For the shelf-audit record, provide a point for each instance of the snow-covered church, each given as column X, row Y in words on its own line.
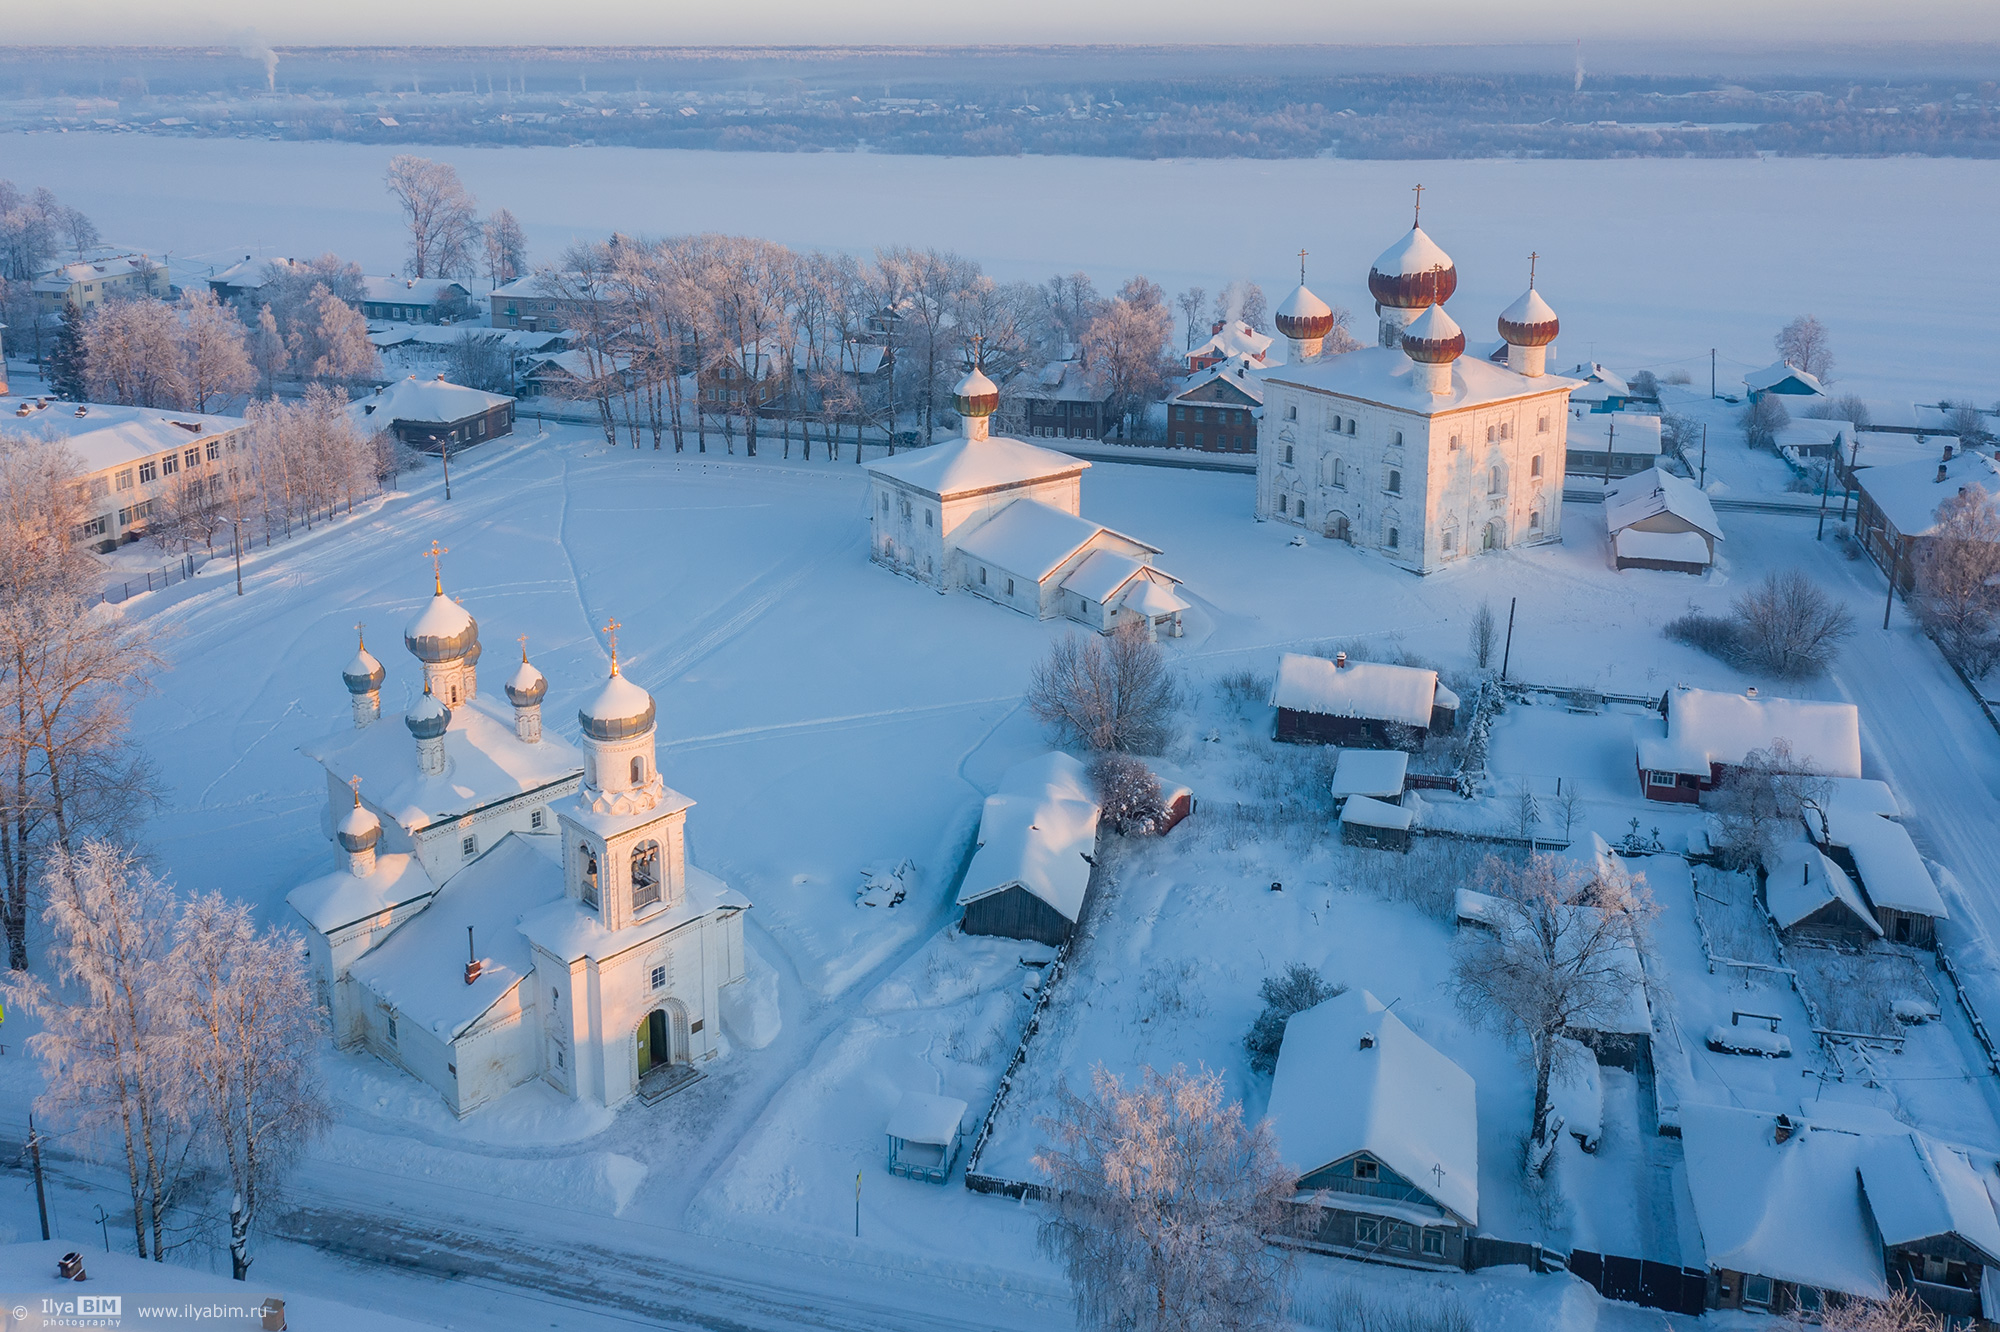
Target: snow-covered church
column 1001, row 518
column 509, row 906
column 1409, row 448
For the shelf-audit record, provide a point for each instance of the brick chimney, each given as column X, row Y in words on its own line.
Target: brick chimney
column 1339, row 661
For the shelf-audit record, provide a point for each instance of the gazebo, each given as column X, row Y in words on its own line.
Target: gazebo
column 924, row 1135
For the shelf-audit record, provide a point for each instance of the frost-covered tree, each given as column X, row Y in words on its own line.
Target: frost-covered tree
column 1790, row 625
column 1958, row 577
column 267, row 349
column 1159, row 1202
column 1242, row 300
column 1125, row 348
column 214, row 350
column 1805, row 345
column 1762, row 420
column 1292, row 991
column 1109, row 692
column 1484, row 634
column 1191, row 303
column 506, row 247
column 250, row 1014
column 1554, row 961
column 1128, row 794
column 1901, row 1312
column 440, row 212
column 330, row 342
column 1759, row 802
column 132, row 354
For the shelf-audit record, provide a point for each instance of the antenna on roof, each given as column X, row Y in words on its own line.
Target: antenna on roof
column 1419, row 217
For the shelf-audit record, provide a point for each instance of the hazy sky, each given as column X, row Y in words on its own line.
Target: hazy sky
column 788, row 22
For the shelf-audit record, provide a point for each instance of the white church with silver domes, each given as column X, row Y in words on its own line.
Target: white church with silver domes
column 510, row 906
column 1409, row 448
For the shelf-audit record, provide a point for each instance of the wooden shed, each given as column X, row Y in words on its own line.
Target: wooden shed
column 1358, row 704
column 1365, row 821
column 1031, row 871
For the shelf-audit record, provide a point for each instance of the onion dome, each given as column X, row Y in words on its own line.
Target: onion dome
column 1413, row 273
column 620, row 711
column 444, row 631
column 1529, row 322
column 976, row 395
column 472, row 653
column 1433, row 337
column 428, row 717
column 1304, row 317
column 360, row 830
column 363, row 674
column 527, row 686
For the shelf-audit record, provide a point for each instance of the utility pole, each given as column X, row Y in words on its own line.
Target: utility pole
column 1826, row 478
column 1711, row 374
column 857, row 1204
column 1610, row 438
column 1895, row 562
column 35, row 1155
column 1507, row 653
column 236, row 548
column 1703, row 483
column 444, row 451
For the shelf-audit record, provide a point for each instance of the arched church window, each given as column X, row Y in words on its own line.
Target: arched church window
column 1288, row 453
column 589, row 875
column 638, row 770
column 645, row 874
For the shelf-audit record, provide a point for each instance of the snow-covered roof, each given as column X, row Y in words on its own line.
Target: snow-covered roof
column 1232, row 373
column 1813, row 433
column 1351, row 1077
column 1621, row 432
column 1803, row 879
column 249, row 275
column 1153, row 595
column 1861, row 795
column 530, row 285
column 570, row 931
column 484, row 762
column 1365, row 689
column 1708, row 727
column 65, row 276
column 1058, row 381
column 1908, row 493
column 1675, row 547
column 1036, row 842
column 1777, row 373
column 1103, row 572
column 1370, row 772
column 1383, row 375
column 971, row 466
column 1529, row 310
column 424, row 402
column 408, row 291
column 862, row 358
column 339, row 899
column 1598, row 383
column 1034, row 539
column 579, row 364
column 1372, row 813
column 1302, row 304
column 1413, row 253
column 1054, row 773
column 1787, row 1210
column 1918, row 1188
column 1655, row 491
column 419, row 970
column 923, row 1118
column 1234, row 338
column 107, row 436
column 1892, row 872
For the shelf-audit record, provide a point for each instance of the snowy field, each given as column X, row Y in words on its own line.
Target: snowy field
column 1650, row 262
column 828, row 715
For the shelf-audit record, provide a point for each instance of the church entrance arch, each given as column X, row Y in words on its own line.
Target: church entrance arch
column 663, row 1037
column 1492, row 538
column 1337, row 527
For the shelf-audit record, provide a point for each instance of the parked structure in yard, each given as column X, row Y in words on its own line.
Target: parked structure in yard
column 1382, row 1133
column 1783, row 379
column 1216, row 412
column 1362, row 704
column 80, row 287
column 1657, row 520
column 131, row 458
column 434, row 415
column 1062, row 400
column 411, row 300
column 1702, row 734
column 1631, row 439
column 998, row 517
column 924, row 1136
column 1410, row 449
column 1375, row 824
column 510, row 907
column 1899, row 504
column 1031, row 872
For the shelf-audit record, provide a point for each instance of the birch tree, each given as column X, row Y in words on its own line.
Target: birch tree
column 329, row 341
column 214, row 351
column 506, row 248
column 439, row 211
column 267, row 349
column 1805, row 345
column 1556, row 960
column 132, row 354
column 1958, row 568
column 1159, row 1202
column 1111, row 692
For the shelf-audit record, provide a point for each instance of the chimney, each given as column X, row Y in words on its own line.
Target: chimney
column 1947, row 452
column 1367, row 1040
column 1786, row 1128
column 1339, row 661
column 1751, row 692
column 1941, row 473
column 472, row 965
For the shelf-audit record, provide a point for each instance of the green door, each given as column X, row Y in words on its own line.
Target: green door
column 646, row 1044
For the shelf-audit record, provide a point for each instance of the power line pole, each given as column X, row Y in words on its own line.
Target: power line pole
column 1507, row 653
column 1610, row 438
column 1703, row 483
column 1711, row 374
column 35, row 1155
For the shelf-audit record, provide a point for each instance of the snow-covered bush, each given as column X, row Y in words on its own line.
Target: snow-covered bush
column 1714, row 634
column 1762, row 420
column 1128, row 794
column 1790, row 626
column 1293, row 990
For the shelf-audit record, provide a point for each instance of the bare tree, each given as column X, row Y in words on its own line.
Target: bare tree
column 1569, row 807
column 1805, row 346
column 1159, row 1202
column 1290, row 992
column 1958, row 577
column 249, row 1009
column 1558, row 959
column 1069, row 304
column 1967, row 421
column 1760, row 801
column 1125, row 347
column 506, row 247
column 1762, row 420
column 1128, row 794
column 1789, row 626
column 1241, row 300
column 1485, row 634
column 1191, row 303
column 1109, row 692
column 440, row 212
column 1847, row 407
column 214, row 350
column 481, row 360
column 29, row 231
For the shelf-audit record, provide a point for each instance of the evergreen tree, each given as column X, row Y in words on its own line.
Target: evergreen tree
column 68, row 362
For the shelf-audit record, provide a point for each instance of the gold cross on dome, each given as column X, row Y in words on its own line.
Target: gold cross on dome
column 354, row 784
column 1420, row 207
column 978, row 350
column 359, row 625
column 611, row 629
column 1302, row 268
column 437, row 554
column 1531, row 269
column 524, row 647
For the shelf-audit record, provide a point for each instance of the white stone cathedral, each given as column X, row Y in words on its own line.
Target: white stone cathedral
column 509, row 906
column 1409, row 448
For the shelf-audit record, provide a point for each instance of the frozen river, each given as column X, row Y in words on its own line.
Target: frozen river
column 1648, row 261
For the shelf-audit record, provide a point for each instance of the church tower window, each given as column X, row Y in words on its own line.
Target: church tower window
column 589, row 876
column 1288, row 453
column 645, row 874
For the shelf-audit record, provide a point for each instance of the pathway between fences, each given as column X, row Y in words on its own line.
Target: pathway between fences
column 154, row 579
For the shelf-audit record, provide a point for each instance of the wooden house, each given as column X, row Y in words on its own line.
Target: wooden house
column 1703, row 733
column 1894, row 881
column 1381, row 1132
column 1899, row 504
column 1940, row 1235
column 1030, row 873
column 1660, row 521
column 1783, row 379
column 924, row 1136
column 1614, row 444
column 1359, row 704
column 1062, row 400
column 433, row 415
column 1810, row 896
column 1216, row 411
column 1375, row 824
column 413, row 300
column 1602, row 390
column 1230, row 342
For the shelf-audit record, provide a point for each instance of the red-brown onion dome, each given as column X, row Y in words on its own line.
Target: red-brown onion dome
column 1413, row 273
column 1529, row 322
column 976, row 395
column 1433, row 337
column 1304, row 316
